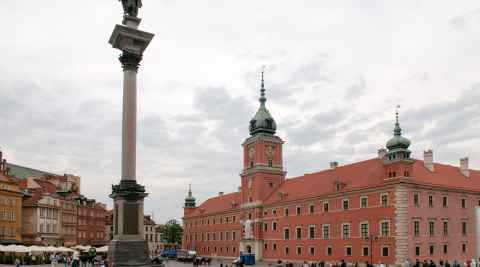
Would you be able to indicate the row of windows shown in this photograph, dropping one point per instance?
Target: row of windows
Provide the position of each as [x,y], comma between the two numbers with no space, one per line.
[211,221]
[48,213]
[217,236]
[98,235]
[218,249]
[345,230]
[432,249]
[48,228]
[7,215]
[445,202]
[7,201]
[312,250]
[431,228]
[326,206]
[8,232]
[90,222]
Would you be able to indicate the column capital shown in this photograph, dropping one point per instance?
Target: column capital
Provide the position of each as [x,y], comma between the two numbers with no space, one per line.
[130,61]
[128,190]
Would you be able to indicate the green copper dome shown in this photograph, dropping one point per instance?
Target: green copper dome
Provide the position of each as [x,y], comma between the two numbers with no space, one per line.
[398,141]
[190,200]
[263,121]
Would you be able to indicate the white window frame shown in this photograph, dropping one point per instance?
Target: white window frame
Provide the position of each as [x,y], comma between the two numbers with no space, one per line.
[366,202]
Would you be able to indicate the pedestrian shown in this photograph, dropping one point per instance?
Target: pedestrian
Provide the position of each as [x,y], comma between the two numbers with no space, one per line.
[17,262]
[381,264]
[221,264]
[321,264]
[447,264]
[53,260]
[279,263]
[305,264]
[343,264]
[408,263]
[432,264]
[417,263]
[356,264]
[425,263]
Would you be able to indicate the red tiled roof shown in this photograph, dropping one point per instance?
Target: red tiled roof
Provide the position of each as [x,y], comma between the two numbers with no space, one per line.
[217,204]
[370,173]
[446,175]
[357,175]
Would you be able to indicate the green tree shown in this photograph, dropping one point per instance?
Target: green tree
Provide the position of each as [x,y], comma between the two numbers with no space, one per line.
[172,233]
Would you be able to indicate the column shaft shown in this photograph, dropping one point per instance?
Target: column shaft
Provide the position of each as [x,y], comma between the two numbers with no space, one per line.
[129,124]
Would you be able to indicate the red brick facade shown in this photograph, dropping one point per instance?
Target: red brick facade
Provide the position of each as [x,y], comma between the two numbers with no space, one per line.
[389,208]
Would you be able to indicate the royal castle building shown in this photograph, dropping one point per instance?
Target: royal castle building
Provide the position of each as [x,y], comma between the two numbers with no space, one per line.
[383,209]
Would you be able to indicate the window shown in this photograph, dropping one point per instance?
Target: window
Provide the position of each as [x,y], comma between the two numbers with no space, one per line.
[346,231]
[417,251]
[299,210]
[445,201]
[464,248]
[265,227]
[286,234]
[385,251]
[265,247]
[274,246]
[348,251]
[416,201]
[311,232]
[274,226]
[464,228]
[364,230]
[431,228]
[312,251]
[345,204]
[384,200]
[312,209]
[270,163]
[430,201]
[416,228]
[285,212]
[325,206]
[385,228]
[365,251]
[287,250]
[326,231]
[329,251]
[445,228]
[299,251]
[299,232]
[431,250]
[274,212]
[234,235]
[445,249]
[464,205]
[363,202]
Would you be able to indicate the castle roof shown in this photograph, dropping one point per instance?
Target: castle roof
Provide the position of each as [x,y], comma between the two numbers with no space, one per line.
[226,202]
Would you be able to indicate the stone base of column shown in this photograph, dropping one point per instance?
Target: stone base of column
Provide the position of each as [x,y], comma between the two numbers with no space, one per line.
[128,253]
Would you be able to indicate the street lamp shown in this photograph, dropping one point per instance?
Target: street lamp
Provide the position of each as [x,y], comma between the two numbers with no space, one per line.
[371,238]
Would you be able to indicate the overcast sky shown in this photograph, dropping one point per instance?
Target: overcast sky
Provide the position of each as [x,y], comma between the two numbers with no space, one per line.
[335,72]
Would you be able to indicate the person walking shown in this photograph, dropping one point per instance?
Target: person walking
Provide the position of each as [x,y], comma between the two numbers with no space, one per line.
[343,264]
[17,262]
[432,264]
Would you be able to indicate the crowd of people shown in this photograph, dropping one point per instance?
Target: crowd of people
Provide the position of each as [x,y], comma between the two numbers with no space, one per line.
[61,260]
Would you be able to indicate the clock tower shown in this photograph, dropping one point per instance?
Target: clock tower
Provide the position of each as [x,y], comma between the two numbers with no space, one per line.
[262,174]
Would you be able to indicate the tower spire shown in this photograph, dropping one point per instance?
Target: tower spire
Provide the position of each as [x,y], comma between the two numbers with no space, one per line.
[397,131]
[262,99]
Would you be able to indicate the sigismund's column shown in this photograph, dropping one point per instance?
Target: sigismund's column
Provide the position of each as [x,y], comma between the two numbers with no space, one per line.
[128,247]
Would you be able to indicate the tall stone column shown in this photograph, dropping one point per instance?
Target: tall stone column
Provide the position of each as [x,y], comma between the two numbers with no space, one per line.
[129,247]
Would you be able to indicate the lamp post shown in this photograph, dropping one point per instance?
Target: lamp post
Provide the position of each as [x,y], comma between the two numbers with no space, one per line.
[371,238]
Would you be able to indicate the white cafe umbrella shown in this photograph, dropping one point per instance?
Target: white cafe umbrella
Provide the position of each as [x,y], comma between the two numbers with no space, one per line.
[21,249]
[102,249]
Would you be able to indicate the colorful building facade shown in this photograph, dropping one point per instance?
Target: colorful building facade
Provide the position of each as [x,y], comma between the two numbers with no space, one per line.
[91,222]
[384,209]
[10,207]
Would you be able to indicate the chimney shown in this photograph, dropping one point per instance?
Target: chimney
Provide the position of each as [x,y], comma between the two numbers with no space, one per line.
[220,193]
[428,159]
[333,165]
[464,167]
[381,153]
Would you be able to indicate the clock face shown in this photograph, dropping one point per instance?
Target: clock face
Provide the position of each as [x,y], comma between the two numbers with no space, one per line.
[270,151]
[251,152]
